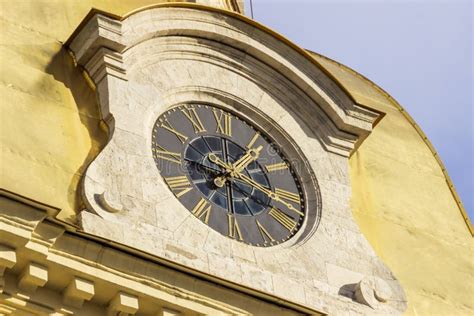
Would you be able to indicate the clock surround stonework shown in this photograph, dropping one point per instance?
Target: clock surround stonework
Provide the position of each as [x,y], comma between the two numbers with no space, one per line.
[165,56]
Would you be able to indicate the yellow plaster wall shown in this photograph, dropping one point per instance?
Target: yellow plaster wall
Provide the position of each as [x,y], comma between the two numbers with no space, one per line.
[49,127]
[403,204]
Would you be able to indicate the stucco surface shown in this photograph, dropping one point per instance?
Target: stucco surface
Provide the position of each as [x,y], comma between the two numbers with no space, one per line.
[404,207]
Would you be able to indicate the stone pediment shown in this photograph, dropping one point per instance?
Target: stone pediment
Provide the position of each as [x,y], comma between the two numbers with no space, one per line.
[161,57]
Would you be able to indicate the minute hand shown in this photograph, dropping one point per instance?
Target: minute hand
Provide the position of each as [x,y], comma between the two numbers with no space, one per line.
[268,192]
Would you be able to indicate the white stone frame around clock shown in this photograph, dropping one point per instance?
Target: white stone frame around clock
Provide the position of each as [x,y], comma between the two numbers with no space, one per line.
[168,55]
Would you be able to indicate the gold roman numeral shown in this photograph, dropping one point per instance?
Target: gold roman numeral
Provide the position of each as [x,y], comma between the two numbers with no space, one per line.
[224,121]
[276,166]
[167,155]
[265,235]
[289,196]
[234,229]
[283,219]
[253,140]
[167,125]
[180,184]
[190,113]
[202,208]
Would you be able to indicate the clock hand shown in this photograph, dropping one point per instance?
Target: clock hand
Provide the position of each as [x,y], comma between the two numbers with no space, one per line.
[220,181]
[268,192]
[228,185]
[253,183]
[213,158]
[214,170]
[250,156]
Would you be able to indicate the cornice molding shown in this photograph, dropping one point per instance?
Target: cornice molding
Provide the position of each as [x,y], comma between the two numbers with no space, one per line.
[56,247]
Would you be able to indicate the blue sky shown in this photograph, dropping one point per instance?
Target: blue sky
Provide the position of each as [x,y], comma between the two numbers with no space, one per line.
[418,51]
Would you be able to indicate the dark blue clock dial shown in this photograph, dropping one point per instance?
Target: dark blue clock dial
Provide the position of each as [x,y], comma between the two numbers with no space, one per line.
[236,197]
[228,174]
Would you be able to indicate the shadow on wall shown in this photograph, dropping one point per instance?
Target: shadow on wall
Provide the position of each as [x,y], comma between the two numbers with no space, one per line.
[348,290]
[62,68]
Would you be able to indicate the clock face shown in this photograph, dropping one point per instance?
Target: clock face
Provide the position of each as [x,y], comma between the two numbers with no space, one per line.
[228,174]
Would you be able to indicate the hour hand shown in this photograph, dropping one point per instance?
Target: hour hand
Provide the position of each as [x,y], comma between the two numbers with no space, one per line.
[220,181]
[250,156]
[213,158]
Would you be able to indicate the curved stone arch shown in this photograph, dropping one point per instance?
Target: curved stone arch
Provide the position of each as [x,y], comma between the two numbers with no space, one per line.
[201,22]
[236,33]
[272,81]
[171,49]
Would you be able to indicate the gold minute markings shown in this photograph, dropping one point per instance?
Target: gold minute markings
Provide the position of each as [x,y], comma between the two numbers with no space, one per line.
[286,195]
[224,122]
[162,153]
[193,117]
[253,140]
[234,229]
[167,125]
[264,233]
[276,166]
[283,219]
[202,209]
[179,184]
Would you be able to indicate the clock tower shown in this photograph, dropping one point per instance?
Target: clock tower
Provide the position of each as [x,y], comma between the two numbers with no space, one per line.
[183,159]
[228,155]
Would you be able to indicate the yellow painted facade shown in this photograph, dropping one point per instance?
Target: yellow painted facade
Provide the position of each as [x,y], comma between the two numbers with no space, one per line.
[401,197]
[405,208]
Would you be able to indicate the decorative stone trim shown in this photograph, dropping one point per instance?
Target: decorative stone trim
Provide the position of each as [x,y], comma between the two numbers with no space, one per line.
[109,203]
[351,120]
[34,275]
[7,258]
[130,283]
[105,63]
[78,291]
[7,261]
[168,312]
[123,303]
